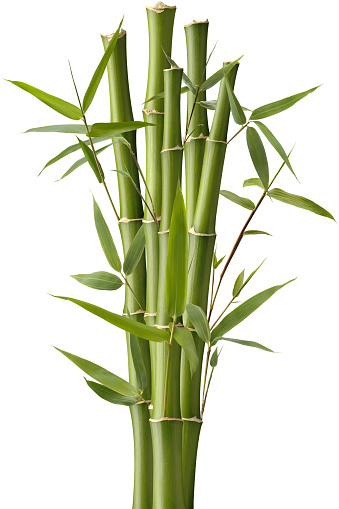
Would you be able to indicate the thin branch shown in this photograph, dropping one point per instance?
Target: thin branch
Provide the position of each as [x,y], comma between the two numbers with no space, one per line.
[168,367]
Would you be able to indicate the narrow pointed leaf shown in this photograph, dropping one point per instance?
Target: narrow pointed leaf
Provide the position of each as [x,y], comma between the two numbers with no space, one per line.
[214,260]
[237,111]
[183,90]
[217,76]
[218,262]
[245,343]
[258,155]
[87,151]
[64,128]
[239,283]
[185,78]
[252,274]
[123,322]
[177,259]
[93,86]
[184,338]
[276,107]
[82,161]
[115,128]
[239,200]
[275,143]
[253,182]
[101,375]
[65,108]
[99,280]
[138,363]
[214,358]
[299,201]
[106,239]
[135,251]
[244,310]
[256,232]
[111,396]
[209,105]
[199,321]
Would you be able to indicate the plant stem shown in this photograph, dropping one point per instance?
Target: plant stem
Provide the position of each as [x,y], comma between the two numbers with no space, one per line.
[205,396]
[131,290]
[168,366]
[205,378]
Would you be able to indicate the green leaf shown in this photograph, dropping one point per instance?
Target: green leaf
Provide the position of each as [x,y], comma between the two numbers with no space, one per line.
[91,161]
[82,161]
[253,182]
[237,111]
[244,202]
[183,90]
[209,105]
[252,274]
[101,375]
[99,280]
[106,239]
[199,321]
[299,201]
[217,76]
[64,128]
[258,155]
[65,108]
[244,310]
[138,363]
[238,285]
[245,343]
[256,232]
[123,322]
[185,78]
[135,251]
[93,86]
[115,128]
[177,259]
[111,396]
[275,144]
[185,339]
[214,358]
[216,262]
[276,107]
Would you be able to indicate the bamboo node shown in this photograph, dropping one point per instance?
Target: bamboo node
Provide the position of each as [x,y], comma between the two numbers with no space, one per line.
[166,419]
[147,401]
[178,147]
[200,137]
[217,141]
[138,312]
[150,314]
[192,419]
[126,220]
[193,232]
[165,231]
[146,221]
[154,112]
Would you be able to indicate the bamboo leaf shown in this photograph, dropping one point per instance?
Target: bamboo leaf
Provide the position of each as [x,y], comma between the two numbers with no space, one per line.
[91,161]
[216,262]
[244,310]
[214,358]
[106,239]
[101,375]
[138,363]
[217,76]
[276,107]
[64,128]
[113,129]
[99,280]
[239,283]
[253,182]
[123,322]
[65,108]
[299,201]
[177,259]
[252,274]
[111,396]
[275,144]
[135,251]
[199,321]
[237,111]
[209,105]
[183,90]
[185,339]
[244,202]
[185,78]
[82,161]
[258,155]
[256,232]
[93,86]
[245,343]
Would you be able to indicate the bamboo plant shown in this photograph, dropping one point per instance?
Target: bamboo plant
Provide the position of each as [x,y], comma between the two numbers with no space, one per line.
[169,268]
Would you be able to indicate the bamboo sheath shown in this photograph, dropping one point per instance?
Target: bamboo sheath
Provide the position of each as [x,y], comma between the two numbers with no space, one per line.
[131,207]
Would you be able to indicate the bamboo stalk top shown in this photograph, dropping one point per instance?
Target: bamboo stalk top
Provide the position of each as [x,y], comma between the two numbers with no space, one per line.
[194,22]
[160,7]
[174,68]
[109,37]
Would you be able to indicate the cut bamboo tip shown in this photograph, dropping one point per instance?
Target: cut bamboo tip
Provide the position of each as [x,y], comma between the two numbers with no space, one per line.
[160,7]
[153,112]
[194,22]
[174,68]
[110,36]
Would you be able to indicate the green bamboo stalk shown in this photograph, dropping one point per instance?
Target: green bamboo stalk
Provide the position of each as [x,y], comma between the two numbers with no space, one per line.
[196,43]
[131,208]
[201,252]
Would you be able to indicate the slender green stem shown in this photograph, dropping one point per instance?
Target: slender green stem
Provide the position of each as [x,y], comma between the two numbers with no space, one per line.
[238,132]
[131,289]
[168,366]
[205,395]
[224,311]
[205,378]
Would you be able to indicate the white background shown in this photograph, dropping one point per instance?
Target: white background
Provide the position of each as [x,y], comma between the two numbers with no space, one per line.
[270,437]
